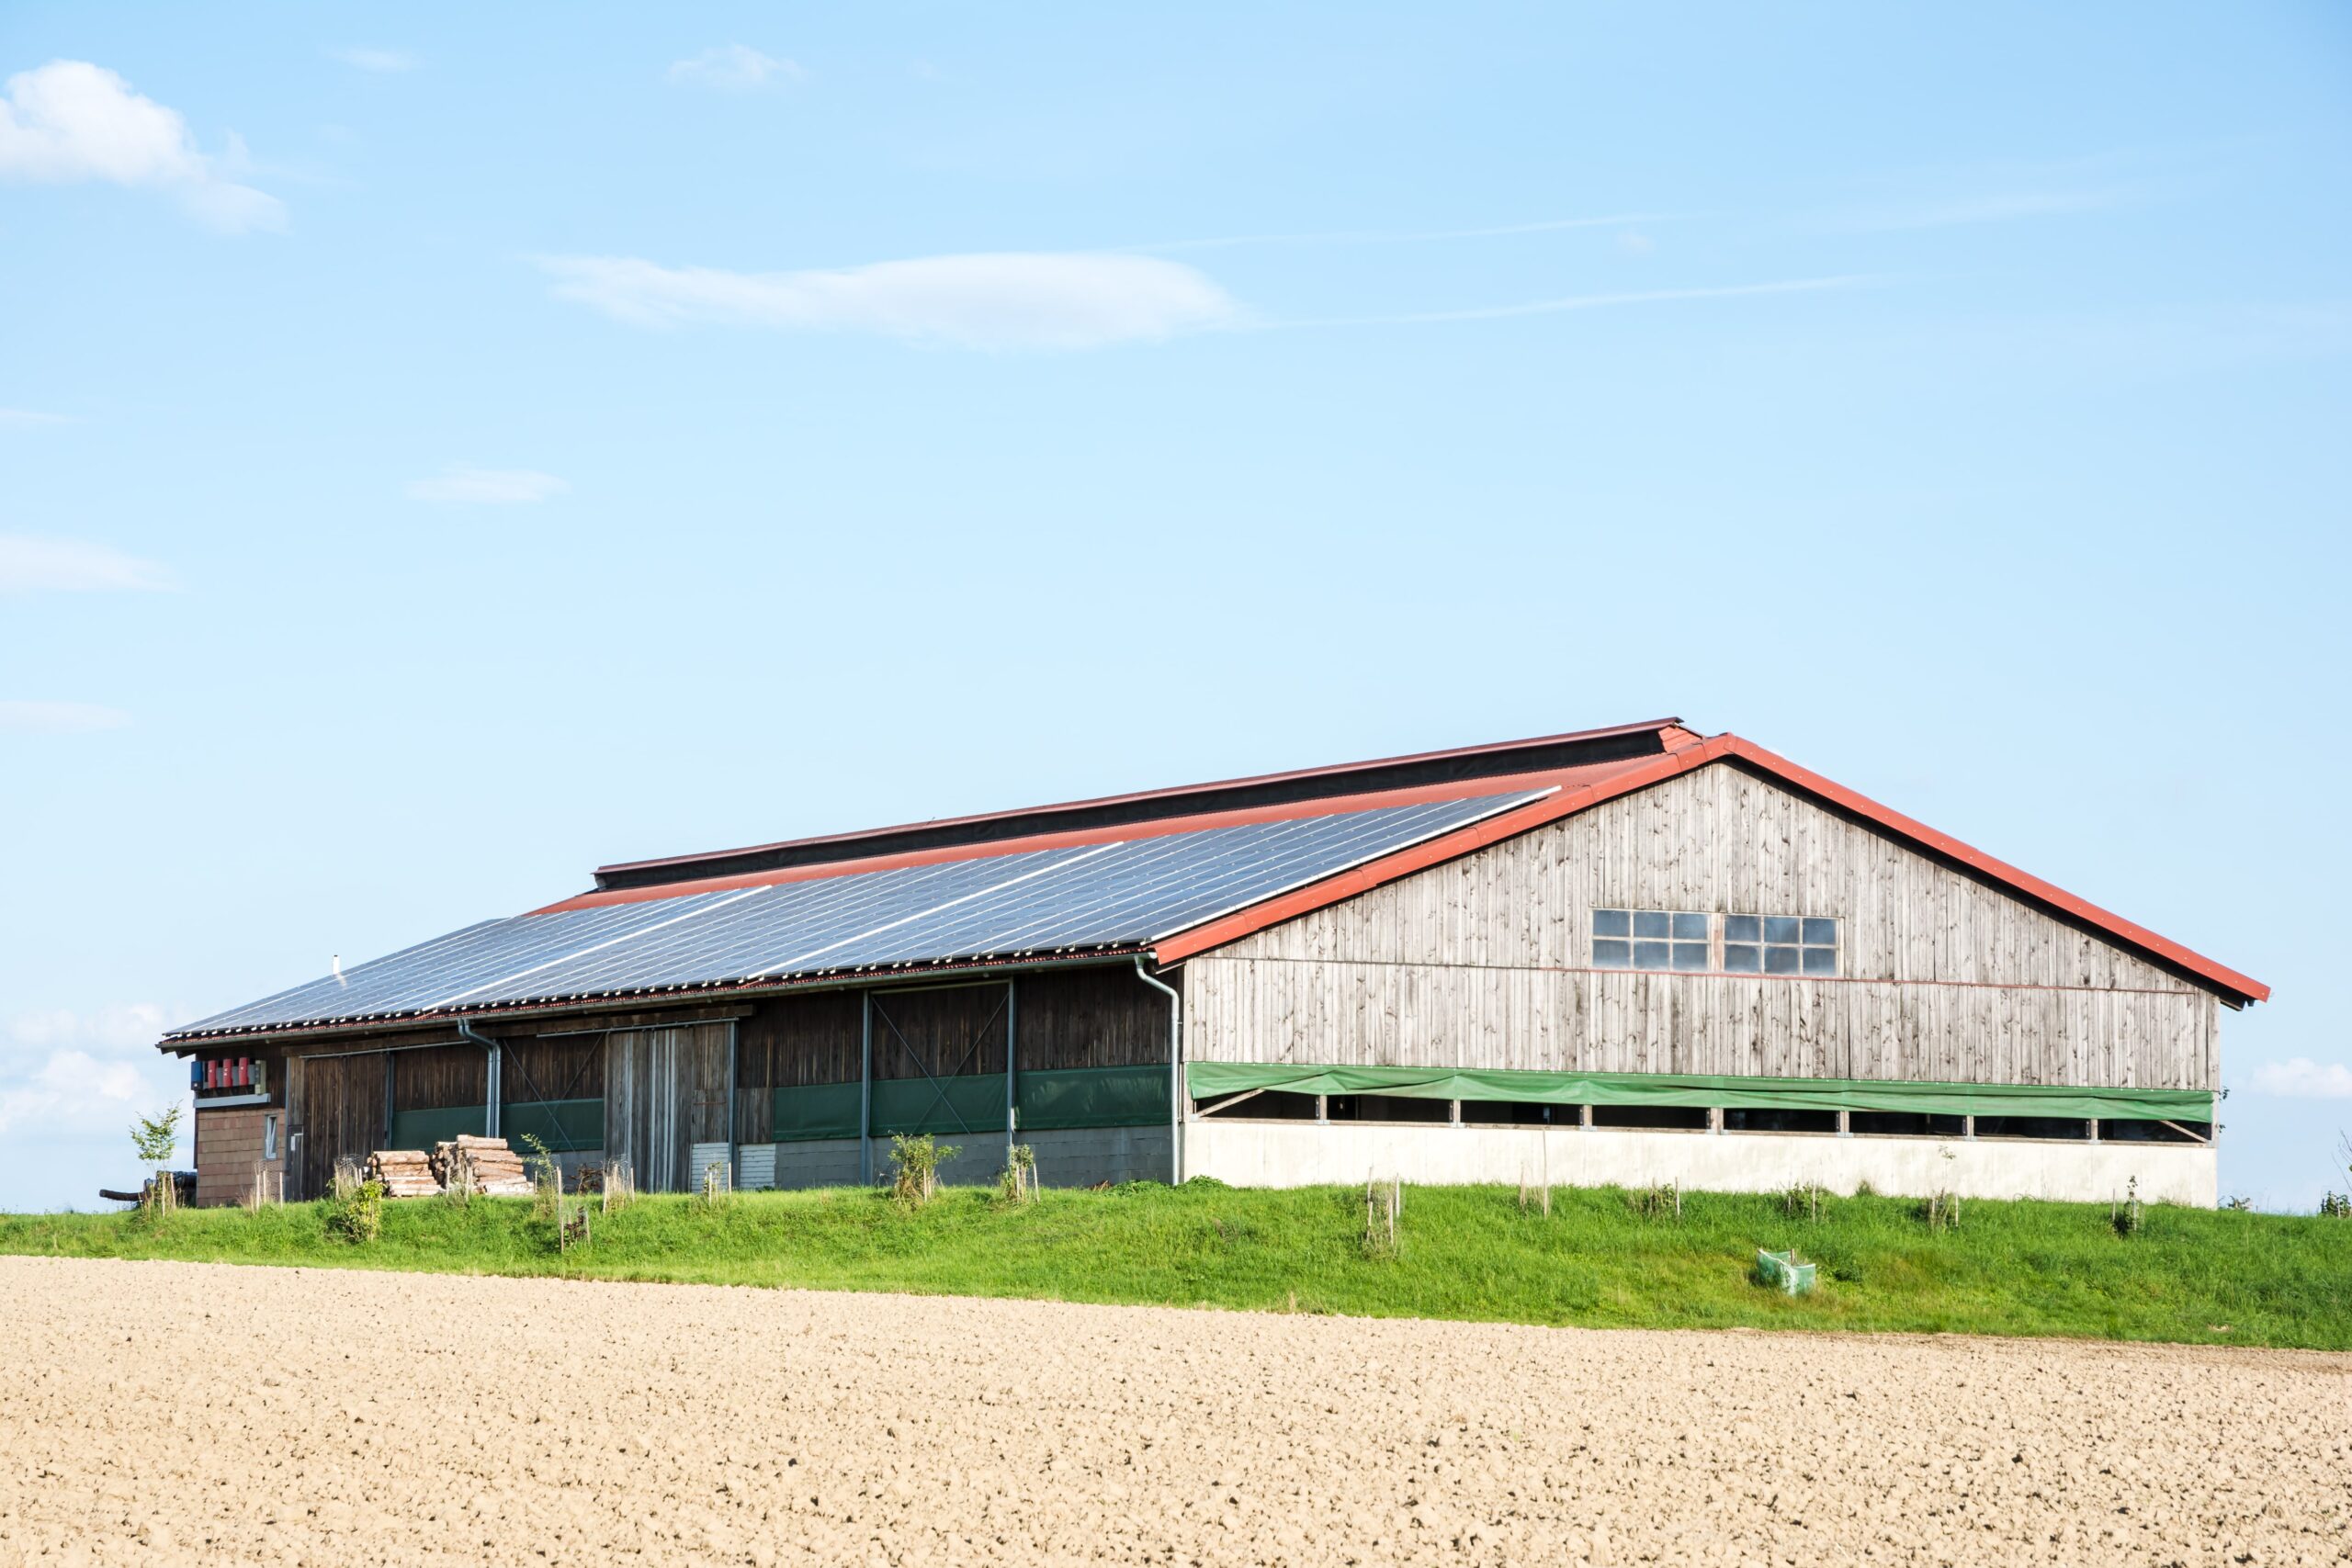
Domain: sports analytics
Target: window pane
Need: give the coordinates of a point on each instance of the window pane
(1611, 922)
(1743, 958)
(1689, 928)
(1650, 954)
(1689, 955)
(1650, 922)
(1821, 960)
(1781, 928)
(1612, 954)
(1743, 928)
(1821, 933)
(1779, 961)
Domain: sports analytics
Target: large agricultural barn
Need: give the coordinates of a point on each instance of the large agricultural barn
(1632, 955)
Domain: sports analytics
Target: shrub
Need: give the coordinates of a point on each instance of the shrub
(356, 1216)
(916, 1161)
(1017, 1182)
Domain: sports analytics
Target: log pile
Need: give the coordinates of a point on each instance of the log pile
(487, 1163)
(405, 1173)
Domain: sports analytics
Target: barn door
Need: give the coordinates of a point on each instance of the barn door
(341, 1116)
(665, 1090)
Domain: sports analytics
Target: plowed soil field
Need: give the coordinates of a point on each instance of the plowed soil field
(160, 1413)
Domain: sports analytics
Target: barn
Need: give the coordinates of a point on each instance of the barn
(1636, 955)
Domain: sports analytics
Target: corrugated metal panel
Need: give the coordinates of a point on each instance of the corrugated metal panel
(755, 1167)
(1042, 902)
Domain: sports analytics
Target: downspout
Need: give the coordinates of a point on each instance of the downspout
(490, 1113)
(1175, 1072)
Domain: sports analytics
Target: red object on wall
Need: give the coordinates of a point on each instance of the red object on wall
(245, 1072)
(212, 1074)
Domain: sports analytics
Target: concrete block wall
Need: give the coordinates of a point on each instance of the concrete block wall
(1303, 1154)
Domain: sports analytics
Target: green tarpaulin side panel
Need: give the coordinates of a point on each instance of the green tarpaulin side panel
(423, 1129)
(565, 1127)
(1214, 1080)
(974, 1103)
(1094, 1097)
(813, 1110)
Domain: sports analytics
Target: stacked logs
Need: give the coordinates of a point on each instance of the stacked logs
(404, 1173)
(486, 1165)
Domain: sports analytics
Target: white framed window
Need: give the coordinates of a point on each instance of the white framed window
(1780, 944)
(269, 1136)
(1650, 939)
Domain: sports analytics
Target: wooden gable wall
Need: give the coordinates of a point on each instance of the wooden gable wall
(1487, 961)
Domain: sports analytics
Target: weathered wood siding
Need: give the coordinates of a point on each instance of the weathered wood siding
(1487, 961)
(665, 1090)
(337, 1104)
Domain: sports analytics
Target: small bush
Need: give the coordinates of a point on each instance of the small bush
(1383, 1205)
(915, 1162)
(1017, 1182)
(1803, 1202)
(358, 1216)
(1942, 1211)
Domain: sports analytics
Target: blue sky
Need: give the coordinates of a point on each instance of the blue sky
(445, 448)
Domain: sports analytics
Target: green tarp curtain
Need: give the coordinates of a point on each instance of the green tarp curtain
(565, 1127)
(1050, 1099)
(1215, 1081)
(423, 1129)
(945, 1106)
(1094, 1097)
(813, 1110)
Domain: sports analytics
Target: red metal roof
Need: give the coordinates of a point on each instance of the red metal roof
(2231, 986)
(1481, 763)
(1157, 827)
(1575, 788)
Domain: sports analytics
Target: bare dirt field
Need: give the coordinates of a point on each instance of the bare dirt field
(160, 1413)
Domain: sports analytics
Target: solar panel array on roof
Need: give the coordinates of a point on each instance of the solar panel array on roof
(1079, 898)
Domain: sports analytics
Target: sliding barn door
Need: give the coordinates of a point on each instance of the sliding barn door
(665, 1090)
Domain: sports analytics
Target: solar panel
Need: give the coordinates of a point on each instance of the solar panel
(1126, 893)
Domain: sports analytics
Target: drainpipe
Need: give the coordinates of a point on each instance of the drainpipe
(1175, 1072)
(490, 1113)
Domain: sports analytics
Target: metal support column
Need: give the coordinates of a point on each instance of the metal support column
(1012, 1101)
(734, 1055)
(865, 1089)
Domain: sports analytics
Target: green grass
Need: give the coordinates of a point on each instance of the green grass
(2012, 1268)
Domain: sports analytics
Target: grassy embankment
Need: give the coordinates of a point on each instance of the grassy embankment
(2010, 1267)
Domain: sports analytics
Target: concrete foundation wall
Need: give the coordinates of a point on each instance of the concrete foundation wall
(1082, 1157)
(1303, 1154)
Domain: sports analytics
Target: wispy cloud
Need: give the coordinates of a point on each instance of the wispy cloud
(25, 718)
(387, 61)
(30, 416)
(1588, 302)
(1011, 300)
(1997, 207)
(69, 121)
(1406, 236)
(733, 67)
(487, 486)
(30, 564)
(2300, 1078)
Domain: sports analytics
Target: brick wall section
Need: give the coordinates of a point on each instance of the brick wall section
(228, 1152)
